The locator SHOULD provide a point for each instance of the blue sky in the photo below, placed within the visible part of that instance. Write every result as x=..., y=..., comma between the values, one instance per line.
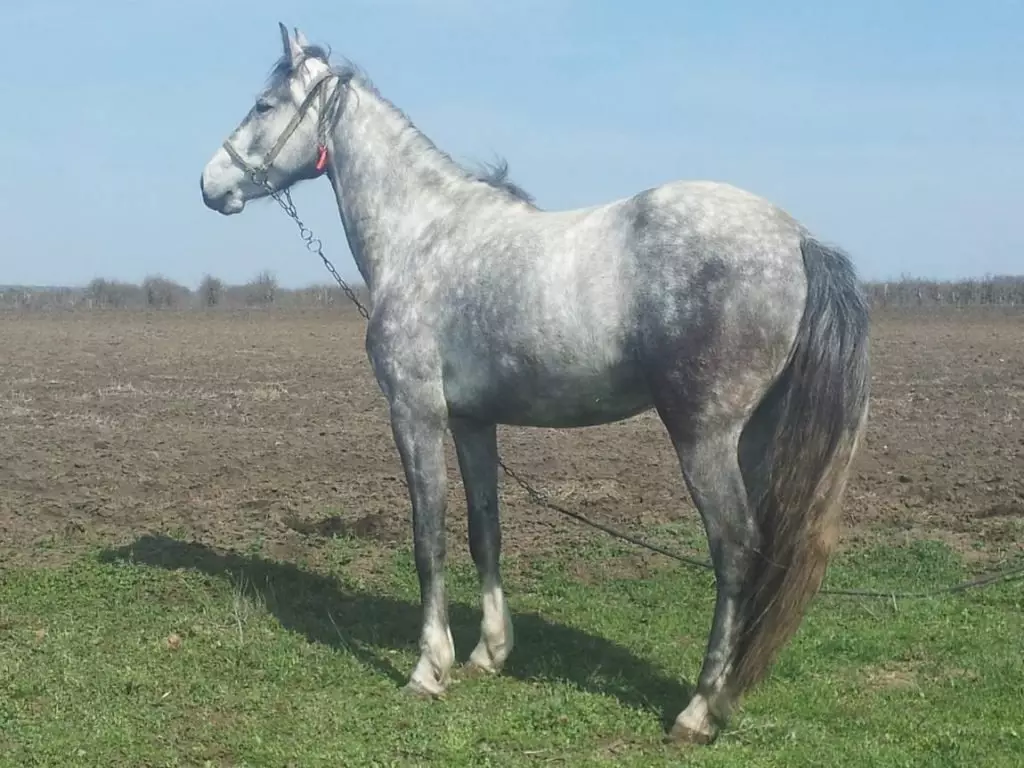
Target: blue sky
x=893, y=129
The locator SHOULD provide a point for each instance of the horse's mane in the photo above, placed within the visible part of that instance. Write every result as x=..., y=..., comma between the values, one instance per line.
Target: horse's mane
x=495, y=175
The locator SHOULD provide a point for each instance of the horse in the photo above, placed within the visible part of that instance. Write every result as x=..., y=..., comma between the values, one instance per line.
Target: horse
x=744, y=332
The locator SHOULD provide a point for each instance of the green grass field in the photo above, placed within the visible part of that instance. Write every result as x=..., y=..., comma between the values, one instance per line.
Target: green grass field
x=170, y=654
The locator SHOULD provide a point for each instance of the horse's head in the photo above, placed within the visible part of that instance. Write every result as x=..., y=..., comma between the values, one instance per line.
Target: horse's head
x=282, y=140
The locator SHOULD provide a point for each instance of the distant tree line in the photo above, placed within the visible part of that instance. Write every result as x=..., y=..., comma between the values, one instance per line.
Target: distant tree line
x=159, y=293
x=997, y=291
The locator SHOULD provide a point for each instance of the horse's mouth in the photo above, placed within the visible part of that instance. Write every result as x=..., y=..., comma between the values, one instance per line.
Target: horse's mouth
x=231, y=205
x=227, y=203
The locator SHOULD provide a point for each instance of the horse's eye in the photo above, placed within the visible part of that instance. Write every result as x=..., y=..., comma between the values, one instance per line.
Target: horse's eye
x=263, y=106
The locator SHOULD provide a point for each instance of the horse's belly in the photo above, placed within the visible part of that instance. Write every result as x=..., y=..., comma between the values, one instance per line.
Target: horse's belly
x=522, y=393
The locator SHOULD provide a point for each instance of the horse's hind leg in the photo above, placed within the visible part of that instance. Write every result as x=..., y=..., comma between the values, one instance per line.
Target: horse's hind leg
x=477, y=450
x=711, y=468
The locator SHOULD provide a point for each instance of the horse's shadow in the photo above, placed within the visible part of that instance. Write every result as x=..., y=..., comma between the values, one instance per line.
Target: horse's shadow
x=367, y=625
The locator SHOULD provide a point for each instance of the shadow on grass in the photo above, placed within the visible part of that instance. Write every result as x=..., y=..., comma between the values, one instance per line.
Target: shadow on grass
x=366, y=625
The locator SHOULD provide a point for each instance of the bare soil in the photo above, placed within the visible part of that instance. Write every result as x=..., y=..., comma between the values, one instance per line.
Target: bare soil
x=265, y=429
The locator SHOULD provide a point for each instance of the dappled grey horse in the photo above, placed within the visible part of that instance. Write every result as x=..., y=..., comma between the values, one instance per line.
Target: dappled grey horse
x=707, y=303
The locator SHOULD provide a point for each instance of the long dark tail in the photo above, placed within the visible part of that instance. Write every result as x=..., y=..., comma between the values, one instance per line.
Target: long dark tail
x=795, y=454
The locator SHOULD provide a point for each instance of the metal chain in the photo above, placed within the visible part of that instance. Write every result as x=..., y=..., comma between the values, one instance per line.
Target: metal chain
x=260, y=178
x=315, y=245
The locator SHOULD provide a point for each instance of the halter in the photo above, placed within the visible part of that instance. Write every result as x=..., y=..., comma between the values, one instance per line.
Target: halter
x=259, y=173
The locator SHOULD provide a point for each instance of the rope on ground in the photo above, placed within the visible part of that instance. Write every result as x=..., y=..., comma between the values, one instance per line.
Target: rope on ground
x=999, y=577
x=1010, y=574
x=542, y=500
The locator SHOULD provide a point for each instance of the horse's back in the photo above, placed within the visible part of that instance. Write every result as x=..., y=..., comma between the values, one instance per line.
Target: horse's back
x=681, y=254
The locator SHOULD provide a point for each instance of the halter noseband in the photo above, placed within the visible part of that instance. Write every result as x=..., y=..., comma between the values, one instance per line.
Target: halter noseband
x=259, y=173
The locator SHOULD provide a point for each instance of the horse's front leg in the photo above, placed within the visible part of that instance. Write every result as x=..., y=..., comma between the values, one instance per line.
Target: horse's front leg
x=418, y=422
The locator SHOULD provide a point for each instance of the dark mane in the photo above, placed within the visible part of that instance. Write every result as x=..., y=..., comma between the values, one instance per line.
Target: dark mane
x=497, y=176
x=494, y=175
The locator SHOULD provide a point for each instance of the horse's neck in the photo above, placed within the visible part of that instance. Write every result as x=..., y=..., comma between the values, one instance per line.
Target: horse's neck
x=389, y=181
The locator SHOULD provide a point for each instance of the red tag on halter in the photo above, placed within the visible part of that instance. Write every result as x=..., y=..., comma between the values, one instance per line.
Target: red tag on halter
x=321, y=158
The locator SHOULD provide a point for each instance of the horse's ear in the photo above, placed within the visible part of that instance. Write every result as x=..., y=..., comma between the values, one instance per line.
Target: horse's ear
x=292, y=50
x=300, y=39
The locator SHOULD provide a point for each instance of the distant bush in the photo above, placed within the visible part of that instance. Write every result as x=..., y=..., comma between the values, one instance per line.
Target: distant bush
x=162, y=293
x=319, y=295
x=112, y=294
x=211, y=291
x=261, y=290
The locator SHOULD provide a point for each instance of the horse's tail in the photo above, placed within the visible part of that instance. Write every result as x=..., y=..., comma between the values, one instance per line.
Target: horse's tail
x=796, y=452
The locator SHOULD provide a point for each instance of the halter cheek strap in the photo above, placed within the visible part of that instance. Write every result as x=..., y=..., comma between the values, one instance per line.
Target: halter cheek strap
x=259, y=173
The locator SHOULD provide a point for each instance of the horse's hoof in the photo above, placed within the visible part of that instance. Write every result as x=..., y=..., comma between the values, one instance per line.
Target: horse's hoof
x=418, y=691
x=472, y=671
x=682, y=734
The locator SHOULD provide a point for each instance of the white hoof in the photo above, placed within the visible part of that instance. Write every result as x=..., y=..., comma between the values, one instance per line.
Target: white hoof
x=431, y=675
x=496, y=636
x=482, y=661
x=695, y=724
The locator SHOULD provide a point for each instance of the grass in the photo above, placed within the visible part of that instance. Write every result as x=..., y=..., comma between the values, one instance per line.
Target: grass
x=170, y=654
